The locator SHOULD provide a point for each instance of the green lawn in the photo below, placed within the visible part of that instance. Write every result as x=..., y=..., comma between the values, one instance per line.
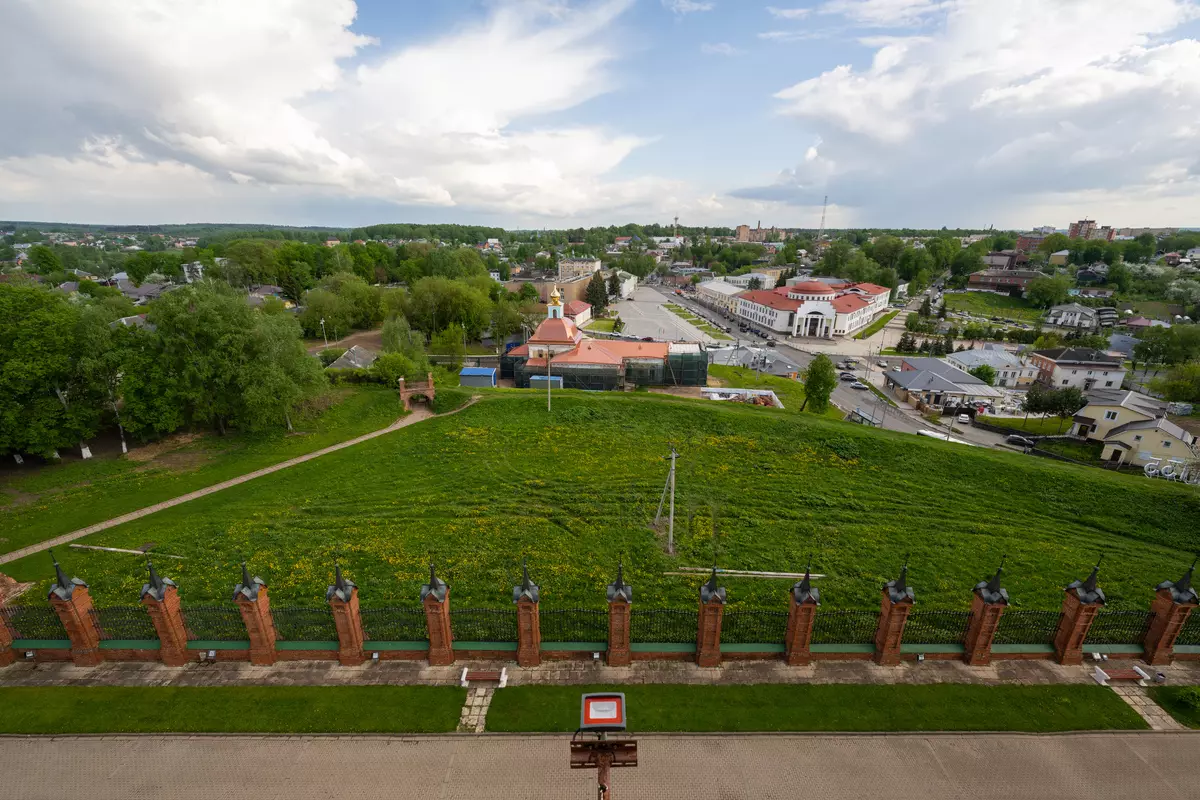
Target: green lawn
x=696, y=321
x=825, y=707
x=789, y=391
x=1085, y=452
x=994, y=305
x=876, y=326
x=600, y=325
x=1181, y=702
x=575, y=489
x=52, y=500
x=1038, y=426
x=230, y=709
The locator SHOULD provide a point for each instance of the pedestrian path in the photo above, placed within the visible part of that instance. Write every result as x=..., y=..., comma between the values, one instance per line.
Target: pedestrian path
x=419, y=414
x=1155, y=715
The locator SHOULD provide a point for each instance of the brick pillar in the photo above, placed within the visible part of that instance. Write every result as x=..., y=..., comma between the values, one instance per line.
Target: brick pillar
x=620, y=598
x=73, y=604
x=708, y=629
x=803, y=601
x=988, y=602
x=529, y=630
x=160, y=596
x=343, y=602
x=1082, y=600
x=255, y=606
x=1173, y=604
x=894, y=608
x=435, y=597
x=7, y=654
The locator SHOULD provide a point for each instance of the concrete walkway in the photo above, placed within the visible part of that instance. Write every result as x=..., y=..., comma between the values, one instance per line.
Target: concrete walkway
x=419, y=414
x=833, y=767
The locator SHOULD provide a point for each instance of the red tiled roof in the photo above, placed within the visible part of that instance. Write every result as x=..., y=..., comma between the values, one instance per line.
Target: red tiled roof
x=871, y=288
x=536, y=362
x=639, y=349
x=588, y=352
x=848, y=303
x=519, y=350
x=556, y=331
x=575, y=308
x=771, y=300
x=812, y=287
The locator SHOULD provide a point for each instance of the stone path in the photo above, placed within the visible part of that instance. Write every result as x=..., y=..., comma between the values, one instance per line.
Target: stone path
x=1139, y=700
x=419, y=414
x=403, y=672
x=474, y=711
x=1109, y=766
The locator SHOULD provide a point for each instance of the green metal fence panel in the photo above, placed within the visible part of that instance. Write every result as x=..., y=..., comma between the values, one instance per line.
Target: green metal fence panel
x=394, y=624
x=483, y=624
x=754, y=627
x=124, y=623
x=936, y=627
x=574, y=625
x=1119, y=627
x=663, y=625
x=844, y=627
x=214, y=623
x=32, y=622
x=304, y=624
x=1018, y=626
x=1190, y=633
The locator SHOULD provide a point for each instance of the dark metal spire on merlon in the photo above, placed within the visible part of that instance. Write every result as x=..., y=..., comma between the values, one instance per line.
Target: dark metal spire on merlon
x=436, y=587
x=343, y=587
x=898, y=590
x=1182, y=590
x=710, y=592
x=619, y=589
x=249, y=587
x=527, y=589
x=63, y=587
x=991, y=591
x=155, y=586
x=803, y=591
x=1087, y=590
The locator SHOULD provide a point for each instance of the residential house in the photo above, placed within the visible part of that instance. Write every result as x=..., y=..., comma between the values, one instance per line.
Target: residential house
x=628, y=282
x=720, y=295
x=1107, y=317
x=933, y=383
x=1172, y=259
x=1012, y=372
x=1073, y=315
x=1149, y=441
x=571, y=268
x=578, y=312
x=1111, y=408
x=1078, y=366
x=1059, y=258
x=1005, y=259
x=1003, y=281
x=1093, y=291
x=357, y=357
x=140, y=295
x=1096, y=273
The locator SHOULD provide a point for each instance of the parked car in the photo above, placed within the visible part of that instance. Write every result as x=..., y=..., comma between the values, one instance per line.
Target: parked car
x=897, y=368
x=770, y=343
x=847, y=376
x=881, y=364
x=1020, y=441
x=862, y=387
x=964, y=419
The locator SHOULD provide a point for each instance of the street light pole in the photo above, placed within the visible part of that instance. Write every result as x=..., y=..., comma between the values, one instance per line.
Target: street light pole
x=323, y=336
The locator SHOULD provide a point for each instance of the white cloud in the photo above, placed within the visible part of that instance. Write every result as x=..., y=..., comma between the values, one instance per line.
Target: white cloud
x=884, y=13
x=1013, y=98
x=687, y=6
x=131, y=98
x=718, y=49
x=788, y=13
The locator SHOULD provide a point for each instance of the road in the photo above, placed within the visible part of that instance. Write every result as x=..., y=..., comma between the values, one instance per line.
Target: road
x=644, y=315
x=1109, y=766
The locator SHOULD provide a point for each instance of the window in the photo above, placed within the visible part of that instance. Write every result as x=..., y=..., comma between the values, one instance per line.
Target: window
x=1110, y=415
x=1065, y=382
x=1108, y=383
x=1074, y=372
x=1089, y=372
x=1166, y=444
x=1137, y=438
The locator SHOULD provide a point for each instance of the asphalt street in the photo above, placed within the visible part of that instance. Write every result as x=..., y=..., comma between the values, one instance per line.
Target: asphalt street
x=1109, y=766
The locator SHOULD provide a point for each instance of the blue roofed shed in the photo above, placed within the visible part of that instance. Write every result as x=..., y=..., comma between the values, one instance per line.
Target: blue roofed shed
x=477, y=376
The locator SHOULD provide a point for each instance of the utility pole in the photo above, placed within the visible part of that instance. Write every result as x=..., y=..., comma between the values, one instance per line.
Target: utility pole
x=323, y=336
x=549, y=380
x=669, y=487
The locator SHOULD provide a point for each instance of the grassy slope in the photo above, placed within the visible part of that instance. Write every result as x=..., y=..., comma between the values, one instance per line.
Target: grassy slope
x=1038, y=426
x=789, y=391
x=575, y=489
x=1175, y=699
x=994, y=305
x=807, y=707
x=876, y=326
x=230, y=709
x=80, y=493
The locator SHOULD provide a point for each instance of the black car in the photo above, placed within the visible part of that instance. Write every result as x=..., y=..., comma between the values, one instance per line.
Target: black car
x=1019, y=441
x=647, y=338
x=847, y=376
x=770, y=342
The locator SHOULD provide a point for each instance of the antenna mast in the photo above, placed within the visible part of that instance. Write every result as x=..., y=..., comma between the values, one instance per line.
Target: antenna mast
x=821, y=230
x=675, y=227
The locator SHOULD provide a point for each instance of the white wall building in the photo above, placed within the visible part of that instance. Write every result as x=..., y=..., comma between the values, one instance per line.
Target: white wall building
x=569, y=268
x=813, y=308
x=1078, y=366
x=719, y=294
x=743, y=281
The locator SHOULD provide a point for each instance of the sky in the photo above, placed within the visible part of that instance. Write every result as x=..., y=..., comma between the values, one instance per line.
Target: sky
x=549, y=113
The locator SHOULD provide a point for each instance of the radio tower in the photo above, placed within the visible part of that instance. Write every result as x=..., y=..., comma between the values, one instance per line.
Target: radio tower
x=821, y=230
x=675, y=227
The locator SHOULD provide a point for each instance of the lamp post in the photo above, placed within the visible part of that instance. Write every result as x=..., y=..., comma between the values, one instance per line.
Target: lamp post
x=323, y=336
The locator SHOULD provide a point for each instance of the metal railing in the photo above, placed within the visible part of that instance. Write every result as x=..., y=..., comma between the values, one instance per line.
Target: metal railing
x=754, y=627
x=483, y=624
x=32, y=622
x=844, y=627
x=214, y=623
x=669, y=626
x=304, y=624
x=124, y=622
x=1119, y=627
x=936, y=627
x=394, y=624
x=1018, y=626
x=1189, y=634
x=574, y=625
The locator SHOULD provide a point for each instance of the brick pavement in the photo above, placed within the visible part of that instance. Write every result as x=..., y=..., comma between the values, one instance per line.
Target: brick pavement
x=1139, y=700
x=328, y=673
x=418, y=414
x=833, y=767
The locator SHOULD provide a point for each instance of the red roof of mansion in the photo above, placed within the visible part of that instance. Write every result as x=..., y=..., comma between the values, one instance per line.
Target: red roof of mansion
x=812, y=287
x=771, y=300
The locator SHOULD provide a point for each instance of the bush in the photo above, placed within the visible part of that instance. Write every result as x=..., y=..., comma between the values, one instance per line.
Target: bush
x=351, y=375
x=1189, y=698
x=330, y=355
x=446, y=400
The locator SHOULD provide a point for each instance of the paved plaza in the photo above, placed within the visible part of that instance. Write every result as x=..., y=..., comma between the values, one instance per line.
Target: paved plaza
x=925, y=767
